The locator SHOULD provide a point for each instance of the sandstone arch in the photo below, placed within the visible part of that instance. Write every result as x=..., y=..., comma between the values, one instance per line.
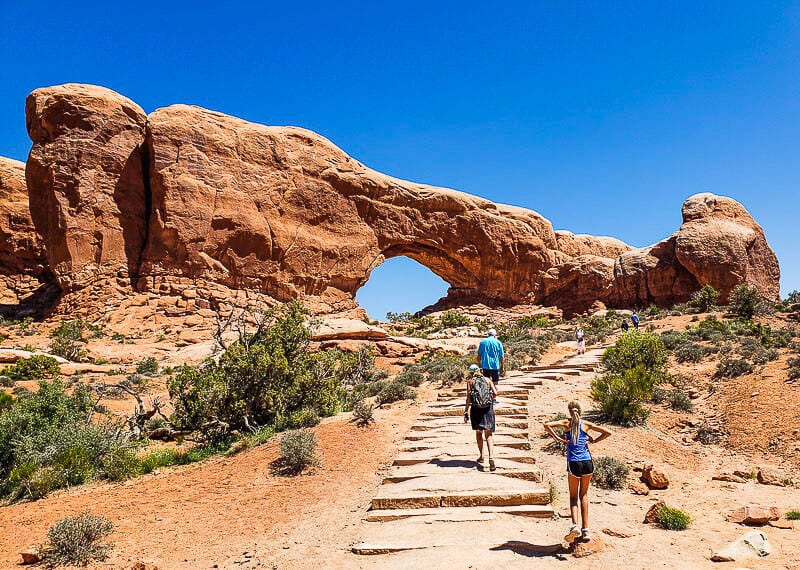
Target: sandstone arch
x=282, y=211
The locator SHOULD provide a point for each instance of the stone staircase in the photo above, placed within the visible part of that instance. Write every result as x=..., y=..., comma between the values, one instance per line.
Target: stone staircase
x=436, y=499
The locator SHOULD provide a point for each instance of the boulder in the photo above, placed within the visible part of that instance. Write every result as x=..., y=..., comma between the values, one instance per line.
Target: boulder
x=769, y=478
x=754, y=544
x=655, y=478
x=638, y=488
x=30, y=556
x=651, y=517
x=754, y=515
x=721, y=244
x=347, y=329
x=729, y=477
x=582, y=549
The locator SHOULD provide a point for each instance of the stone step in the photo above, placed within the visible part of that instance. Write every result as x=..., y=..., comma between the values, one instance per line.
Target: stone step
x=461, y=468
x=460, y=514
x=465, y=453
x=423, y=445
x=445, y=433
x=499, y=411
x=423, y=542
x=431, y=500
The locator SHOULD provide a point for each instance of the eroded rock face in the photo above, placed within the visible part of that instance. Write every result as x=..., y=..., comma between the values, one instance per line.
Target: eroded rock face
x=190, y=198
x=22, y=258
x=86, y=181
x=721, y=244
x=283, y=210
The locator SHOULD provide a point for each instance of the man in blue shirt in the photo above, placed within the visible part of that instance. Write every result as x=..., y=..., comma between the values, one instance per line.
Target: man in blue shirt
x=491, y=357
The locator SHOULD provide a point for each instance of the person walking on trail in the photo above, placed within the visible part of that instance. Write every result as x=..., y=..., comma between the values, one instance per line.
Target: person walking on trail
x=580, y=340
x=635, y=320
x=579, y=464
x=479, y=410
x=492, y=357
x=625, y=325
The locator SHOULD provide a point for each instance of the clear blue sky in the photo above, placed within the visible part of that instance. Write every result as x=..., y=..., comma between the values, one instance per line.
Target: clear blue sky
x=604, y=120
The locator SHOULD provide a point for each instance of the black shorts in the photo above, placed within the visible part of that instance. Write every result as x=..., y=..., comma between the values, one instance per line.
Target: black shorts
x=493, y=375
x=580, y=468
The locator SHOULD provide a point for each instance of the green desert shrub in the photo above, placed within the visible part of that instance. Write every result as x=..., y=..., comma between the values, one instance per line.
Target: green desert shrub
x=147, y=366
x=733, y=367
x=363, y=412
x=37, y=367
x=705, y=299
x=265, y=375
x=47, y=441
x=77, y=541
x=636, y=349
x=610, y=473
x=672, y=519
x=794, y=514
x=305, y=418
x=794, y=367
x=6, y=400
x=690, y=352
x=746, y=302
x=708, y=434
x=394, y=392
x=679, y=400
x=453, y=319
x=67, y=340
x=620, y=397
x=298, y=450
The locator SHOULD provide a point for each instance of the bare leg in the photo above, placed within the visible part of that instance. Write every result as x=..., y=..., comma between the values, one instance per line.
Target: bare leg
x=479, y=440
x=489, y=441
x=574, y=483
x=584, y=489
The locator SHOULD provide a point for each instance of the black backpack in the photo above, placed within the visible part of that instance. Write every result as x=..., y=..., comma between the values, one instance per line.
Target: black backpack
x=481, y=394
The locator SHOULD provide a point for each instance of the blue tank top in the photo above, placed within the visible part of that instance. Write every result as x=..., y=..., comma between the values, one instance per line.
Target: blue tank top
x=578, y=450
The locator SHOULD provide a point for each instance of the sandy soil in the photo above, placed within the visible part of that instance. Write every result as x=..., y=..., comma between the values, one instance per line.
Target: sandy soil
x=233, y=512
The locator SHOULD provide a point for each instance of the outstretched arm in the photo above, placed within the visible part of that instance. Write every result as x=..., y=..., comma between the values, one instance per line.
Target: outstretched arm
x=468, y=400
x=604, y=432
x=548, y=427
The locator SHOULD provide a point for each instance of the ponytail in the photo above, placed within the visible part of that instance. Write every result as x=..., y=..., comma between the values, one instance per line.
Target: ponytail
x=574, y=420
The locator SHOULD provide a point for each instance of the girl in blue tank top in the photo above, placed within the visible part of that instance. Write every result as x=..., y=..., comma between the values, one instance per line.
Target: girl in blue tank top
x=579, y=464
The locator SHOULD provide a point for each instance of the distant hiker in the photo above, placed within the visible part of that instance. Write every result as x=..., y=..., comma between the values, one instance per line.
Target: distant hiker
x=580, y=340
x=479, y=409
x=635, y=320
x=492, y=357
x=625, y=325
x=579, y=464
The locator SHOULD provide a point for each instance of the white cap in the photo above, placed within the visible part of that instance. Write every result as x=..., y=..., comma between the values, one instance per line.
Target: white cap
x=473, y=367
x=492, y=332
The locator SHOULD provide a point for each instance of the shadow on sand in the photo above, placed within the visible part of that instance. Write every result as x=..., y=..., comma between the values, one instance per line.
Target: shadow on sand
x=532, y=550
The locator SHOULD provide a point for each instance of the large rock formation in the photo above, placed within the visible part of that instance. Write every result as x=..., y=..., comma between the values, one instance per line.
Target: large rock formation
x=86, y=180
x=190, y=198
x=23, y=264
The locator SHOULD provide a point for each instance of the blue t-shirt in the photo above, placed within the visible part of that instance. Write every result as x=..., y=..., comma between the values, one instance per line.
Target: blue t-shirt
x=491, y=351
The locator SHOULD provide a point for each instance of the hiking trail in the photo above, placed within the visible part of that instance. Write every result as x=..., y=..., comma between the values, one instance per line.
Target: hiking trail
x=436, y=501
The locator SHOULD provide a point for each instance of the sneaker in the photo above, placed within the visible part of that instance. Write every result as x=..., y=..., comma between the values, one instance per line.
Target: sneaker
x=586, y=534
x=491, y=465
x=573, y=533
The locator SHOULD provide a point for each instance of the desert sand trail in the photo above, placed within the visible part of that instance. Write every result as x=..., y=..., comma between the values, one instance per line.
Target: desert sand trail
x=437, y=505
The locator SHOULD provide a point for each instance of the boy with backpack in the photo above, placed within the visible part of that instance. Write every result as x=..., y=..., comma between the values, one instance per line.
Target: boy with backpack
x=479, y=409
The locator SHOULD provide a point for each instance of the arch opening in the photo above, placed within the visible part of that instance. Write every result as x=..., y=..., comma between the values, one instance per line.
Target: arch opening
x=400, y=284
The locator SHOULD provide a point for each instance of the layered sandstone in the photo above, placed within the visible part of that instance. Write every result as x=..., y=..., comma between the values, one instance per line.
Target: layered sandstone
x=187, y=198
x=86, y=179
x=23, y=264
